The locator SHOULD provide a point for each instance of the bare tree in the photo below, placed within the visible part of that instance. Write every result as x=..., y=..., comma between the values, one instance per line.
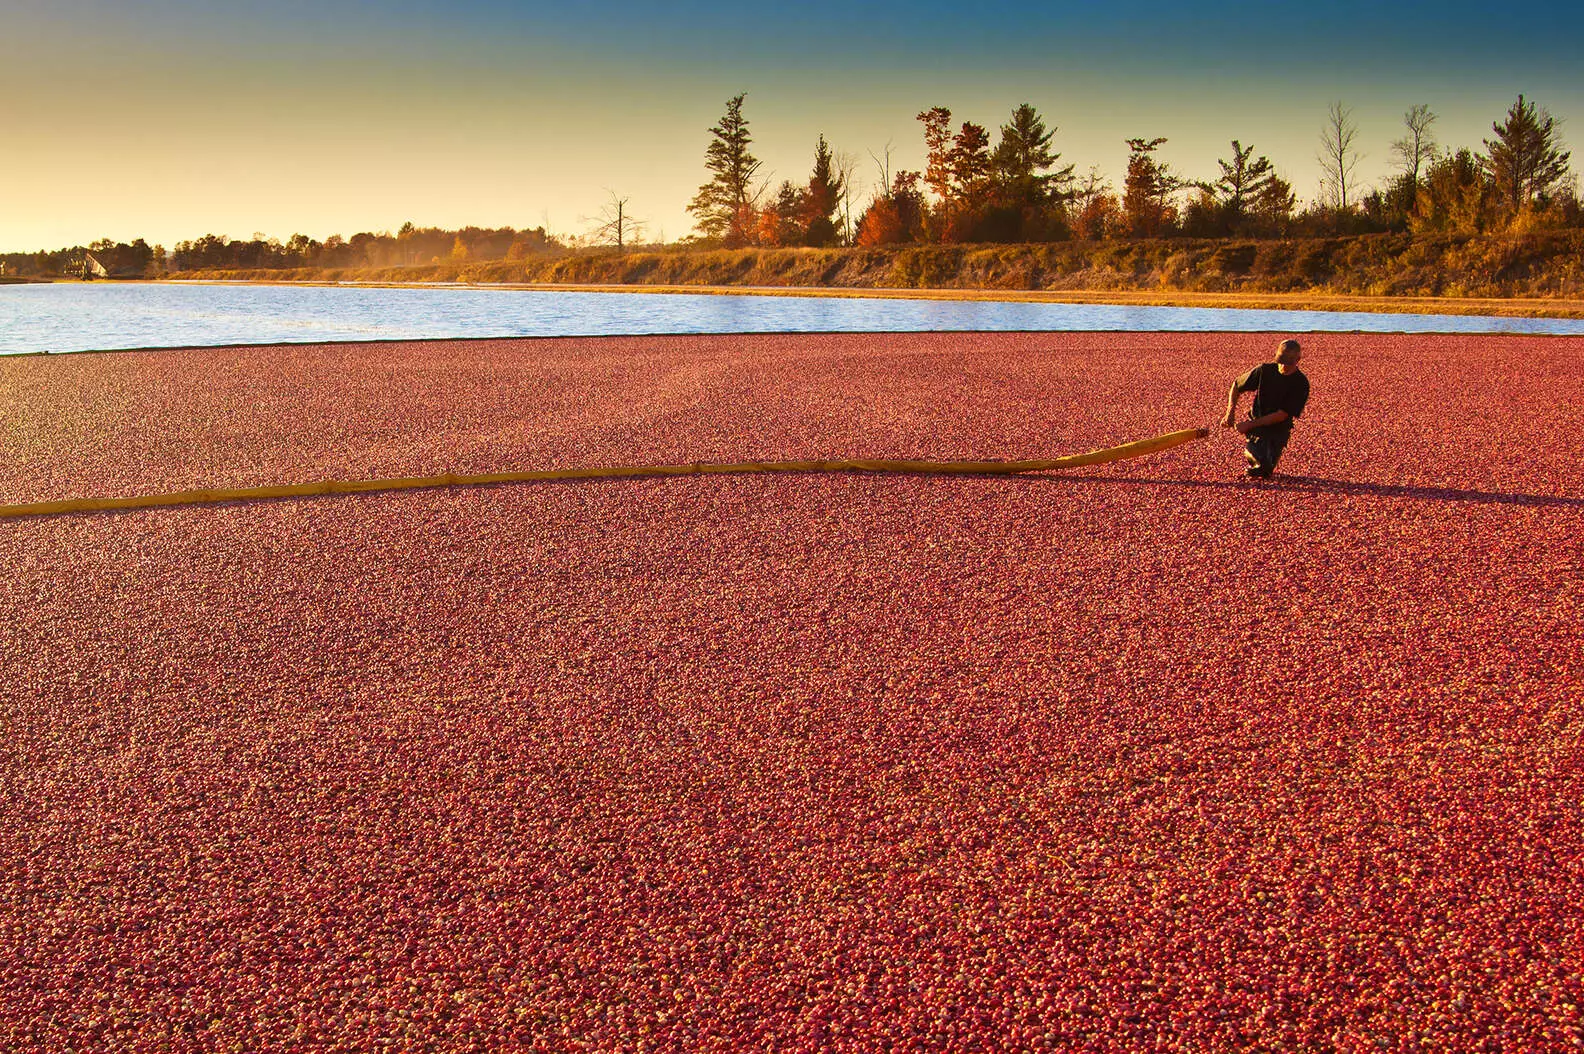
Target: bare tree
x=614, y=223
x=846, y=170
x=883, y=163
x=1338, y=157
x=1417, y=148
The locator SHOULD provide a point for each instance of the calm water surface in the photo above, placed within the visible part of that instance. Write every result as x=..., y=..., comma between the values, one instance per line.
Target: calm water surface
x=103, y=316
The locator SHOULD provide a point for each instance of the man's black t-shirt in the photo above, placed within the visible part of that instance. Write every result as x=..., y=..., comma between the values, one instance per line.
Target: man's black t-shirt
x=1274, y=390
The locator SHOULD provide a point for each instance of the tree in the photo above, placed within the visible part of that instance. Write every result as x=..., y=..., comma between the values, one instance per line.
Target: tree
x=1274, y=204
x=826, y=187
x=880, y=225
x=1243, y=180
x=724, y=206
x=1417, y=148
x=1022, y=157
x=844, y=169
x=1338, y=157
x=1455, y=196
x=780, y=222
x=968, y=161
x=1147, y=191
x=937, y=145
x=896, y=215
x=615, y=224
x=1525, y=161
x=1095, y=208
x=1026, y=196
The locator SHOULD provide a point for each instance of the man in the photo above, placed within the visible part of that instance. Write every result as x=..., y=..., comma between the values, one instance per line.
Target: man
x=1280, y=392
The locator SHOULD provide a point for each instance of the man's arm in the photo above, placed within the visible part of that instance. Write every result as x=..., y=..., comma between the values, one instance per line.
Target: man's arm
x=1232, y=401
x=1275, y=417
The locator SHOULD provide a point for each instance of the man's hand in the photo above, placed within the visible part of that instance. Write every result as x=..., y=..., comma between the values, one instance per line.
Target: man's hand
x=1245, y=427
x=1226, y=422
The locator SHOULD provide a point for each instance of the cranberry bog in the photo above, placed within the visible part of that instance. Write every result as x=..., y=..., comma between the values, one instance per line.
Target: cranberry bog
x=1143, y=756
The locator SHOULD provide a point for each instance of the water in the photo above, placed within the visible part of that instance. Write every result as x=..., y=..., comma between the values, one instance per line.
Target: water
x=106, y=316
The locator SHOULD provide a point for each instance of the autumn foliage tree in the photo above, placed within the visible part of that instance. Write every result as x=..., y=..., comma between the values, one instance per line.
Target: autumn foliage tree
x=1147, y=209
x=896, y=216
x=781, y=221
x=1455, y=196
x=1096, y=212
x=968, y=188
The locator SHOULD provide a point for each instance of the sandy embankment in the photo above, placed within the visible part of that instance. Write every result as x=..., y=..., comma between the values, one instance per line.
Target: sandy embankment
x=1132, y=753
x=1498, y=307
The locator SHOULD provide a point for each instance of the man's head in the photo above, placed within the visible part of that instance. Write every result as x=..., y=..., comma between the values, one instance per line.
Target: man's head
x=1288, y=353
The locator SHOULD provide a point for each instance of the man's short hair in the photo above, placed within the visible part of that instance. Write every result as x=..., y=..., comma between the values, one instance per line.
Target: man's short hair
x=1286, y=346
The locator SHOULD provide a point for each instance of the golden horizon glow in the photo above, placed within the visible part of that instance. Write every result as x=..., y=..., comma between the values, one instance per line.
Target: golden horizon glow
x=180, y=120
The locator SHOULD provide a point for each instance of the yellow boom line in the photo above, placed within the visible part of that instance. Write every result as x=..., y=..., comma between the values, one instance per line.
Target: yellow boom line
x=363, y=486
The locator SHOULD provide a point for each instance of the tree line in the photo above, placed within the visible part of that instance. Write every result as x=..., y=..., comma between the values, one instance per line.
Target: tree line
x=409, y=245
x=1016, y=190
x=972, y=190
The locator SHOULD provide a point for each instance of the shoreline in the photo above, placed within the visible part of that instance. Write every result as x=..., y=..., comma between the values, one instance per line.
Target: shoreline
x=1495, y=307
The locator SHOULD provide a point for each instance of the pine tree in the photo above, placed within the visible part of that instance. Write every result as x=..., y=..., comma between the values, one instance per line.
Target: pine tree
x=824, y=193
x=937, y=147
x=969, y=163
x=1022, y=157
x=1525, y=160
x=724, y=206
x=1243, y=182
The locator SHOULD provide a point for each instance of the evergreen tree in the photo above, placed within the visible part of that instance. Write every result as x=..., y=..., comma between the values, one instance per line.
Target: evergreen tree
x=724, y=206
x=1243, y=181
x=824, y=193
x=1021, y=159
x=937, y=145
x=969, y=164
x=781, y=222
x=1274, y=206
x=937, y=167
x=1525, y=161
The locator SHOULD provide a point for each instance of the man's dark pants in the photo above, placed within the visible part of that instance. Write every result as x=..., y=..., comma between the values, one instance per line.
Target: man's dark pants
x=1265, y=446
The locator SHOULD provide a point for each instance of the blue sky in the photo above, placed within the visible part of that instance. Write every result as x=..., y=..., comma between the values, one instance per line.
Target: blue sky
x=180, y=118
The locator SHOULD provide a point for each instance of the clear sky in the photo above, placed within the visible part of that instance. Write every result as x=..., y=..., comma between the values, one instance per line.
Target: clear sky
x=170, y=119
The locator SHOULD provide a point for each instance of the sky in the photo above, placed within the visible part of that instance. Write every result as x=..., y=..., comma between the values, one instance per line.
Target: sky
x=172, y=119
